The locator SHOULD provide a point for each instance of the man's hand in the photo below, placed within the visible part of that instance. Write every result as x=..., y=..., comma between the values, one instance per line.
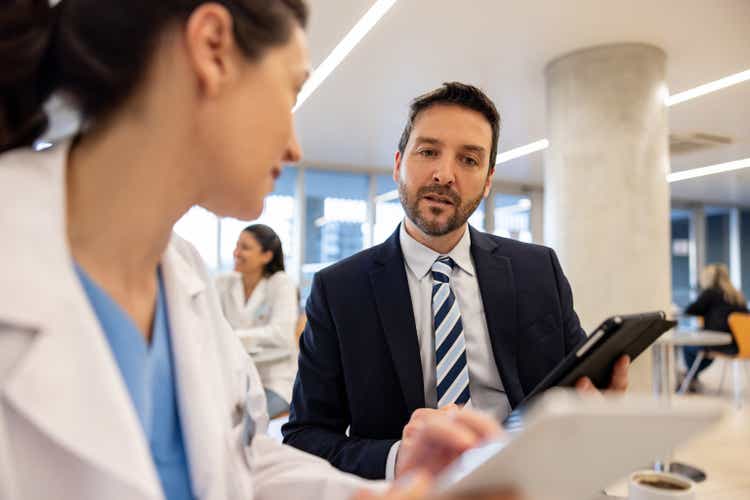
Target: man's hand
x=618, y=383
x=418, y=488
x=434, y=438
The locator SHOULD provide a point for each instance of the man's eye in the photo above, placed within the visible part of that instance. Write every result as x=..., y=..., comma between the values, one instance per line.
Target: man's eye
x=470, y=161
x=428, y=152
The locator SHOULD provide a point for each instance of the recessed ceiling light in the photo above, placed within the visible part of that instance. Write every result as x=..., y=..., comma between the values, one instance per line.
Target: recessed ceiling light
x=709, y=170
x=346, y=45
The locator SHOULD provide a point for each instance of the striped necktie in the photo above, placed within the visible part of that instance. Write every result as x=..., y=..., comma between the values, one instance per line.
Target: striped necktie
x=450, y=359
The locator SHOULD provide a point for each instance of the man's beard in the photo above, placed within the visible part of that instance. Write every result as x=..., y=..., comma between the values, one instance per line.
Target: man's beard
x=461, y=213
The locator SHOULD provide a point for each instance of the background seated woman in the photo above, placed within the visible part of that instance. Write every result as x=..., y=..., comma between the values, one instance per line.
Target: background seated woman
x=718, y=299
x=260, y=302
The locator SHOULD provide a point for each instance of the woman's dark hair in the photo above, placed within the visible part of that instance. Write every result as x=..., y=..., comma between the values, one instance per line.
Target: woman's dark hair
x=95, y=52
x=269, y=242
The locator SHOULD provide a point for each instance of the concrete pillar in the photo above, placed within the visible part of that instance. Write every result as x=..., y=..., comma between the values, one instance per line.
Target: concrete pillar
x=537, y=215
x=606, y=194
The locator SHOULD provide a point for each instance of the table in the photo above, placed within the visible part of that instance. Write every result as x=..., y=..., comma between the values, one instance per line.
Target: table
x=722, y=450
x=663, y=351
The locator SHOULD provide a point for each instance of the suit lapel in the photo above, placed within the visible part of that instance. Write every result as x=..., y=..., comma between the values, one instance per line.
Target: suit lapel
x=498, y=292
x=393, y=302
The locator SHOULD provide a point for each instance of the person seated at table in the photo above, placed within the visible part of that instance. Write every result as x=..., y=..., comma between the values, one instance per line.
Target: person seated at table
x=260, y=302
x=718, y=299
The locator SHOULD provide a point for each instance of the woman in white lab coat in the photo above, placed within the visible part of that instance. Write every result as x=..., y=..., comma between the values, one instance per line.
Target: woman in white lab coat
x=260, y=302
x=119, y=376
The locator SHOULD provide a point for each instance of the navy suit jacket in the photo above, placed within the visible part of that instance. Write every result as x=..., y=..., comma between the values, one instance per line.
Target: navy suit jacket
x=359, y=362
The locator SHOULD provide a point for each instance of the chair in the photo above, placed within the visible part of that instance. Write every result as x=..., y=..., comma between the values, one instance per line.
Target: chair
x=739, y=324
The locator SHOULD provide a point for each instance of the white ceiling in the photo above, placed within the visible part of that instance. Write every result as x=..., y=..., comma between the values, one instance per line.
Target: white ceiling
x=355, y=118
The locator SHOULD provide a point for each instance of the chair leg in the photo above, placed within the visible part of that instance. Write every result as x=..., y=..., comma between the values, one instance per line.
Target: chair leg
x=738, y=382
x=691, y=373
x=723, y=376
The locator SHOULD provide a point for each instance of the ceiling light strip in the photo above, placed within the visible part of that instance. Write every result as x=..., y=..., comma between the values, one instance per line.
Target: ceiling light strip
x=346, y=45
x=512, y=154
x=710, y=170
x=701, y=90
x=709, y=87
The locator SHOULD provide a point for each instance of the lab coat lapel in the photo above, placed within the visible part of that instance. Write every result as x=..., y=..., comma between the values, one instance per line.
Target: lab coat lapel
x=64, y=379
x=197, y=387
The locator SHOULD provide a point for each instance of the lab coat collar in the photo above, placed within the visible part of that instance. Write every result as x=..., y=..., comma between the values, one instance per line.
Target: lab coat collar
x=201, y=426
x=61, y=348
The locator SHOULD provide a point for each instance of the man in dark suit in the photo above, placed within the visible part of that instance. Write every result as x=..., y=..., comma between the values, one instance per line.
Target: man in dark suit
x=438, y=316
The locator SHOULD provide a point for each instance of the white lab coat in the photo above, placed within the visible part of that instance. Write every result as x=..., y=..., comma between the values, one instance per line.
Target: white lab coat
x=68, y=429
x=265, y=324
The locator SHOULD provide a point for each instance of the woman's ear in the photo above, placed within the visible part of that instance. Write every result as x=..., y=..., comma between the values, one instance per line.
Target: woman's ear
x=211, y=47
x=266, y=257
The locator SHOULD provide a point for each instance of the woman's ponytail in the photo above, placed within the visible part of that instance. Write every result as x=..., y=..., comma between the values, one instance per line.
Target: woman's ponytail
x=95, y=52
x=27, y=73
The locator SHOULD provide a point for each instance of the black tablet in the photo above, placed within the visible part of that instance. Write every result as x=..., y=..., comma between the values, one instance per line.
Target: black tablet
x=595, y=356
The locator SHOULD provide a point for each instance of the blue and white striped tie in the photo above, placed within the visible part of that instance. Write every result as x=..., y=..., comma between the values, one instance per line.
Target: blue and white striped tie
x=450, y=355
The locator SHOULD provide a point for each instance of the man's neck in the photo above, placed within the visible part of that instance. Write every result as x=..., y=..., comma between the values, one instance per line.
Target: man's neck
x=442, y=244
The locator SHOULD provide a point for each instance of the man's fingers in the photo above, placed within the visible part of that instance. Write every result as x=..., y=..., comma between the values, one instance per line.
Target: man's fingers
x=585, y=385
x=619, y=380
x=443, y=432
x=483, y=425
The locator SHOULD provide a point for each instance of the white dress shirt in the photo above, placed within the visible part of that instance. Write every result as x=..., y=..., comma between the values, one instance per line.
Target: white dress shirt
x=487, y=393
x=265, y=324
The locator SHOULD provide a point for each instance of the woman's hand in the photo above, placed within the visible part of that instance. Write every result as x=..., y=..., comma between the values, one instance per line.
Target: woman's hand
x=419, y=486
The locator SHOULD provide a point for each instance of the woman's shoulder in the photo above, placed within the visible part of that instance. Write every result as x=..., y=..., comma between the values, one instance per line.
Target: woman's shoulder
x=280, y=277
x=281, y=280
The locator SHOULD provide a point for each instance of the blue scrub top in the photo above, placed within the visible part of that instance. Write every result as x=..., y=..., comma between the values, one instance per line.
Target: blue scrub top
x=149, y=376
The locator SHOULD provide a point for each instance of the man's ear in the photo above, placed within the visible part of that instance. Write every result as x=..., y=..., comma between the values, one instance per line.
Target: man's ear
x=211, y=48
x=488, y=182
x=397, y=166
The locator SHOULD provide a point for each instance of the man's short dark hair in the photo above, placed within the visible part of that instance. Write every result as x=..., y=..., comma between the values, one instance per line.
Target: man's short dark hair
x=458, y=94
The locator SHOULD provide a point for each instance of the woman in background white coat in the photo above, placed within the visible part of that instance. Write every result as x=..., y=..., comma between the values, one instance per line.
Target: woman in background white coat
x=119, y=377
x=260, y=302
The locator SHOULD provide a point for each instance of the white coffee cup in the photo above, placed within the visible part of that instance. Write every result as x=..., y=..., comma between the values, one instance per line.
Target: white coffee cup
x=652, y=485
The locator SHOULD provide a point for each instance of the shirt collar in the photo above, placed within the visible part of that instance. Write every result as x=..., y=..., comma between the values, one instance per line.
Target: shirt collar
x=420, y=258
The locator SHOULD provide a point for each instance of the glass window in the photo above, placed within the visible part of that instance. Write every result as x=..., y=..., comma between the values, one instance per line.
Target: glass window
x=388, y=210
x=278, y=214
x=717, y=235
x=335, y=219
x=201, y=228
x=513, y=217
x=680, y=251
x=477, y=218
x=745, y=251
